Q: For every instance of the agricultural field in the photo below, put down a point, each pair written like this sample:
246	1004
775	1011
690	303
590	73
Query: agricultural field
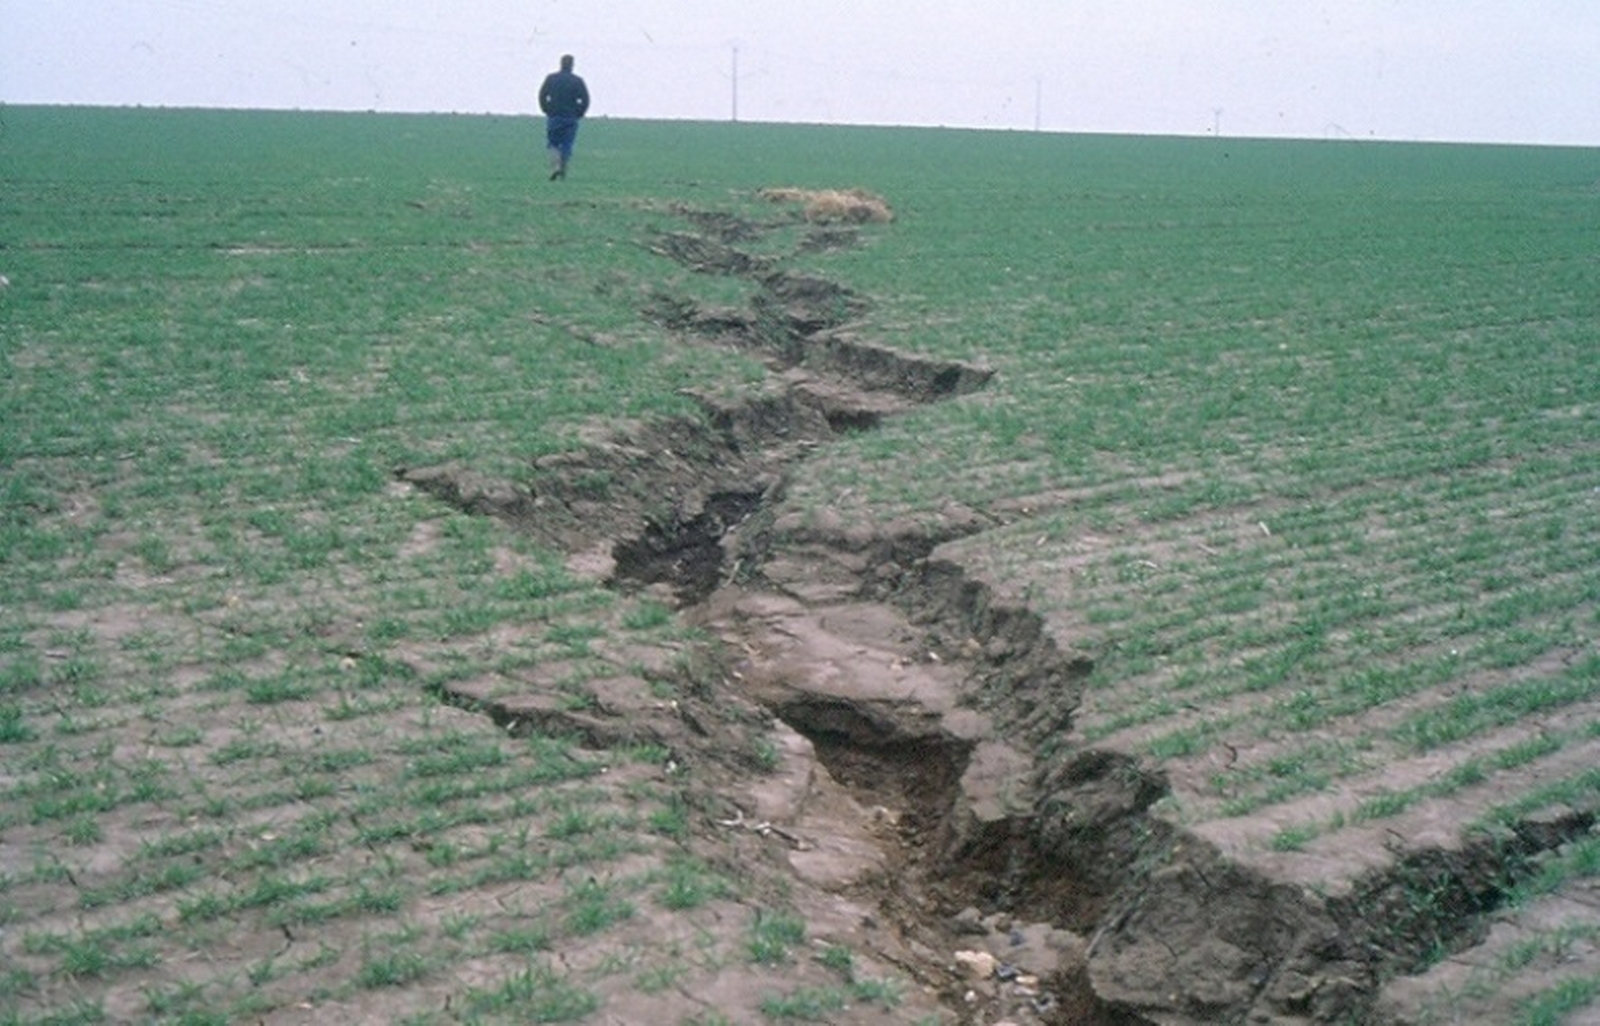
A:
1070	580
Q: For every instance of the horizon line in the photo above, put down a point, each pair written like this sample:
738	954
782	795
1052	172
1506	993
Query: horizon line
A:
1340	136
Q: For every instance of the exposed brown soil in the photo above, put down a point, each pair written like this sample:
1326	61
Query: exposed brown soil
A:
929	767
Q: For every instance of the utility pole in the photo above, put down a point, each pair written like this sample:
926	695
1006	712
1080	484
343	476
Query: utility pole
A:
1038	101
736	82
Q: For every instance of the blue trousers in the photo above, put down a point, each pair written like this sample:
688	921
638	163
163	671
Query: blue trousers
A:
560	133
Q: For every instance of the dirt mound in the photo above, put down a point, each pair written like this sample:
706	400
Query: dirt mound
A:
823	206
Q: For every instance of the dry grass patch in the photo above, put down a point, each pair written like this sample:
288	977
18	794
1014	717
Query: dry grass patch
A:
833	206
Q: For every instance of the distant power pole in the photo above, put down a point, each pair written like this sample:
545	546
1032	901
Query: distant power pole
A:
736	83
1038	101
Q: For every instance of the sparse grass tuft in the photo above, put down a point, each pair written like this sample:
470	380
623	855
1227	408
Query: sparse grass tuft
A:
536	994
806	1004
689	884
592	906
774	935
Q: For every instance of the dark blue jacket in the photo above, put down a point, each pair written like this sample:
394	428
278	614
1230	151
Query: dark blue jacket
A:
563	95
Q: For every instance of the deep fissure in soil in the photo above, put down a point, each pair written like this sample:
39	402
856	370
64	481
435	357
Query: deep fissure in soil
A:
928	697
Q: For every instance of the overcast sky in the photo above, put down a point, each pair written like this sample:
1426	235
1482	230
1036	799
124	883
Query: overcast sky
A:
1465	70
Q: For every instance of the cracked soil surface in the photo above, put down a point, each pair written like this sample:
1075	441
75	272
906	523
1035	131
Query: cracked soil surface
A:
925	792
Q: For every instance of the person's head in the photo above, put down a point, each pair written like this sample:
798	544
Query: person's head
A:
566	62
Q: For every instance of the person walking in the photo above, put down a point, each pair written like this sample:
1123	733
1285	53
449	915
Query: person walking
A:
564	99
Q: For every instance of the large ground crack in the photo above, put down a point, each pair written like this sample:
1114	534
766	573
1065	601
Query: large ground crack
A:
939	718
896	676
